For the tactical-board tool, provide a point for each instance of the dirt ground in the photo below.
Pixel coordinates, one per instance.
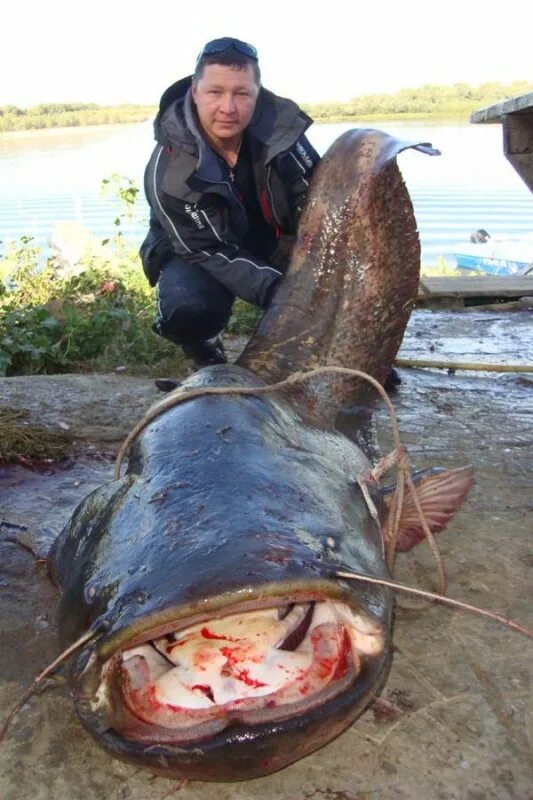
(463, 725)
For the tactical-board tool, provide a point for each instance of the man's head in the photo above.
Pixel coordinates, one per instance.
(225, 87)
(228, 52)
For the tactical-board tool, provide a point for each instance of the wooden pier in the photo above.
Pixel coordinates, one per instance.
(467, 290)
(516, 118)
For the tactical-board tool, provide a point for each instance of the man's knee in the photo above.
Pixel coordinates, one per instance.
(191, 323)
(192, 305)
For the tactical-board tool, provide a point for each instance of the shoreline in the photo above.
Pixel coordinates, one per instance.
(70, 129)
(106, 127)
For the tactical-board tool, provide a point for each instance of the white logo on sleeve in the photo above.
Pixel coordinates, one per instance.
(195, 216)
(302, 152)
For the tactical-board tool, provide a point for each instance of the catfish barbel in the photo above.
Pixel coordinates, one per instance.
(229, 647)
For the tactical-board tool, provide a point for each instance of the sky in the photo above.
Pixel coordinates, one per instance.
(113, 51)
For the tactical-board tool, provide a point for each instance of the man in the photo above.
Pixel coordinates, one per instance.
(225, 185)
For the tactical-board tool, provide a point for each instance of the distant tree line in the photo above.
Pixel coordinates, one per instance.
(430, 99)
(59, 115)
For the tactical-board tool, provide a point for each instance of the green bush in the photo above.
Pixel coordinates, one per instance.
(99, 319)
(244, 318)
(428, 100)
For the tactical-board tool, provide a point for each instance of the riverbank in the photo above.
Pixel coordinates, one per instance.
(426, 119)
(34, 133)
(422, 118)
(423, 103)
(60, 115)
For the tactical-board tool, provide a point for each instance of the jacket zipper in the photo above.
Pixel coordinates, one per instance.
(232, 193)
(276, 219)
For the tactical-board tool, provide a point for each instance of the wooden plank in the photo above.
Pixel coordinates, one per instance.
(518, 144)
(481, 286)
(516, 116)
(515, 105)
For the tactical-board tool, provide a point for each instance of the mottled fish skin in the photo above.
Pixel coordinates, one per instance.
(353, 276)
(233, 501)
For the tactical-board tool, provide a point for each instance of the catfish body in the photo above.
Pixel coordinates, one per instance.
(228, 647)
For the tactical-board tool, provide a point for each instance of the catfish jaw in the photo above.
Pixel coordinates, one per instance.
(222, 700)
(242, 752)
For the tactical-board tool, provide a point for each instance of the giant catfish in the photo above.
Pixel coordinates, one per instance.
(228, 647)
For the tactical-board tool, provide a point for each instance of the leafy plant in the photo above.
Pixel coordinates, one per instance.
(95, 320)
(244, 318)
(124, 189)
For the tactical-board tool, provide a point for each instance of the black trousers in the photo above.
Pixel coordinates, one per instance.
(192, 305)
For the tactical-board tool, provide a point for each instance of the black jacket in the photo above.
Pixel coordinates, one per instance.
(195, 212)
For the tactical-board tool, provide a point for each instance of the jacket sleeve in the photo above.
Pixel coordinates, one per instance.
(297, 168)
(155, 251)
(201, 234)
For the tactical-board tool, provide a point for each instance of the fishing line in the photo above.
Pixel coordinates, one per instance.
(439, 598)
(40, 678)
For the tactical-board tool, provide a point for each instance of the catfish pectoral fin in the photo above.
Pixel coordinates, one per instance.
(441, 493)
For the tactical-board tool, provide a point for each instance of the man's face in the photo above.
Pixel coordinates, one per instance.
(225, 99)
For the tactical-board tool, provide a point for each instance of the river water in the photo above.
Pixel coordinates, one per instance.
(56, 176)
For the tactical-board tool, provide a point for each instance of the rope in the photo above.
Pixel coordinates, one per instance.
(414, 362)
(403, 464)
(295, 378)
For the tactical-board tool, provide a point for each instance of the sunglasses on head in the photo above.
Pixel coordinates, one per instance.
(226, 43)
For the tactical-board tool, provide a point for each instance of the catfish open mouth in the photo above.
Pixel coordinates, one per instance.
(258, 666)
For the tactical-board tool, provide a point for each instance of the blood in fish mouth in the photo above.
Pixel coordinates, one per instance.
(206, 690)
(207, 634)
(197, 680)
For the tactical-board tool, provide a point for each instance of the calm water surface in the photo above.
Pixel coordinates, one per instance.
(56, 176)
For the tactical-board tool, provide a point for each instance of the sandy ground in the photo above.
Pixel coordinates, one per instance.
(461, 685)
